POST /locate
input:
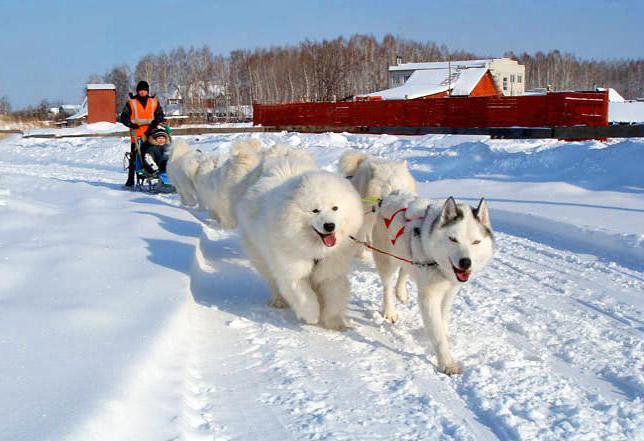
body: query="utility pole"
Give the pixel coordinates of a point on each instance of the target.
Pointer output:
(449, 76)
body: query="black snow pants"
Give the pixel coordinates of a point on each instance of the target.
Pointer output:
(131, 165)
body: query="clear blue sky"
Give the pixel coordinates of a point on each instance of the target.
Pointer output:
(49, 48)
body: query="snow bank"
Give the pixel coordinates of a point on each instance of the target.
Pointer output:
(83, 129)
(91, 277)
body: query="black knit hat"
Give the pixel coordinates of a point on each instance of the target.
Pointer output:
(157, 132)
(143, 85)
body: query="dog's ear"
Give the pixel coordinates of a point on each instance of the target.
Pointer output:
(450, 211)
(482, 214)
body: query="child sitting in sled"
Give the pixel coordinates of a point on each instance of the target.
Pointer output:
(153, 150)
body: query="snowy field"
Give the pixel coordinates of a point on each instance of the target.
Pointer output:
(126, 316)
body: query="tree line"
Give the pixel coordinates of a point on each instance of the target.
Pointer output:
(336, 69)
(5, 105)
(343, 67)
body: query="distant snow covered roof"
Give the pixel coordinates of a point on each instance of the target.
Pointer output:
(613, 95)
(432, 81)
(100, 86)
(467, 80)
(81, 113)
(420, 83)
(440, 65)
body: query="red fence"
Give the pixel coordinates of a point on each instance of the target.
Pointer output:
(559, 109)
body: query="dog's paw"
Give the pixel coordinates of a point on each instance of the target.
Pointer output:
(391, 316)
(337, 323)
(401, 295)
(277, 302)
(451, 368)
(309, 314)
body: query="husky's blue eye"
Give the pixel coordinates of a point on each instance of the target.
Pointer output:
(453, 239)
(476, 242)
(316, 211)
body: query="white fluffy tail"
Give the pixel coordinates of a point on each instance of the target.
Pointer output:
(207, 163)
(249, 146)
(350, 161)
(283, 161)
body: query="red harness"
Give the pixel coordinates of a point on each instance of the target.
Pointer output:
(401, 231)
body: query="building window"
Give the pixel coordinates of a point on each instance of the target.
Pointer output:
(512, 78)
(505, 83)
(519, 79)
(400, 79)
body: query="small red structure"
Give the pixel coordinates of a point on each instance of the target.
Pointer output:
(101, 103)
(557, 109)
(485, 87)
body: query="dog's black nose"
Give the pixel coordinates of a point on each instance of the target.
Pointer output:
(465, 263)
(329, 227)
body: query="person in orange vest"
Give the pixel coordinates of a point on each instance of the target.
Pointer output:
(142, 113)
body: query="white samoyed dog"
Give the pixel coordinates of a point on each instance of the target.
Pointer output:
(220, 186)
(183, 163)
(375, 178)
(201, 179)
(443, 245)
(295, 223)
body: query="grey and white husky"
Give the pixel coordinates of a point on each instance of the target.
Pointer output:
(444, 245)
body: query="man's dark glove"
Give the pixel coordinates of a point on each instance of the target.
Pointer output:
(134, 126)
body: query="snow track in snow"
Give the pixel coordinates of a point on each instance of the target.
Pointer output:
(547, 339)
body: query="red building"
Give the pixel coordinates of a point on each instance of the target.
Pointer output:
(101, 103)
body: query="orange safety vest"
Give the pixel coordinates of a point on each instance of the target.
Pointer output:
(142, 116)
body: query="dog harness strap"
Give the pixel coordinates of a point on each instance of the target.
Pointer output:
(378, 250)
(372, 200)
(371, 247)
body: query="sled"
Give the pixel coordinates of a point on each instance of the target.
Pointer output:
(147, 182)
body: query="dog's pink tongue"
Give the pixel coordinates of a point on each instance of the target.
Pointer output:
(329, 239)
(463, 276)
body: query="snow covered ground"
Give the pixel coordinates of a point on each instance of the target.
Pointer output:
(111, 129)
(126, 316)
